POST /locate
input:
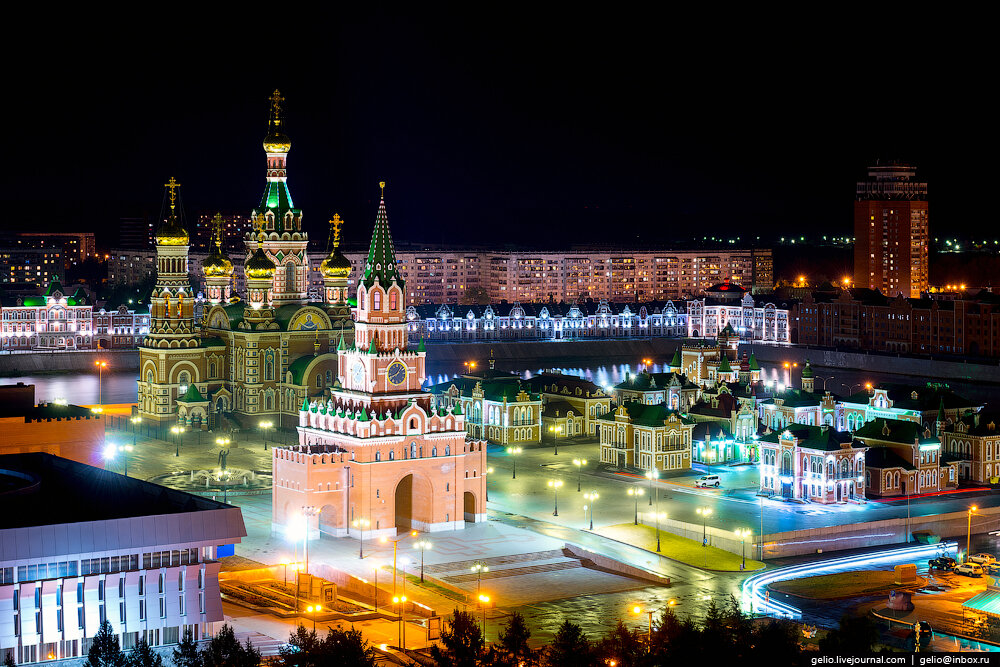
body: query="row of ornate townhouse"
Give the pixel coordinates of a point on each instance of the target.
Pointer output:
(727, 304)
(545, 321)
(57, 320)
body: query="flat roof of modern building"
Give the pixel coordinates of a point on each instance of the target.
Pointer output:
(38, 489)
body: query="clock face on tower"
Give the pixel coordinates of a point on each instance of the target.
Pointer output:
(396, 373)
(358, 374)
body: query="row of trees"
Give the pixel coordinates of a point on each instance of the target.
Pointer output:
(726, 634)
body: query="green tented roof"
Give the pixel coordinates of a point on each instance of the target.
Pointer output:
(381, 261)
(54, 286)
(192, 395)
(278, 199)
(646, 415)
(724, 366)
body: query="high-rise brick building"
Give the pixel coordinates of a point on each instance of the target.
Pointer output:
(890, 230)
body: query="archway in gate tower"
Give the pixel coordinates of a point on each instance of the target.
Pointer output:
(414, 501)
(470, 506)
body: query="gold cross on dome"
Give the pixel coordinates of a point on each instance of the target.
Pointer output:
(381, 185)
(335, 225)
(276, 100)
(172, 184)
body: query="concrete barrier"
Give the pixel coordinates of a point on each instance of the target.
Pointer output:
(875, 533)
(33, 363)
(616, 567)
(879, 363)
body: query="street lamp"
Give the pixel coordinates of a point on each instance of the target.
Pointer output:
(651, 475)
(486, 483)
(399, 601)
(484, 600)
(554, 484)
(636, 492)
(704, 512)
(968, 535)
(101, 365)
(637, 610)
(264, 425)
(314, 609)
(514, 451)
(395, 545)
(423, 545)
(307, 511)
(592, 497)
(112, 450)
(824, 379)
(135, 420)
(177, 431)
(659, 515)
(555, 431)
(479, 567)
(361, 524)
(743, 534)
(470, 366)
(579, 463)
(376, 567)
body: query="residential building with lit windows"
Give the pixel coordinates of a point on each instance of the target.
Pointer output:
(646, 437)
(145, 562)
(812, 463)
(890, 231)
(25, 265)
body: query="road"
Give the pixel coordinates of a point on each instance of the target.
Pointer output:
(734, 504)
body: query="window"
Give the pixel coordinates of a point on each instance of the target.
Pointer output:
(376, 300)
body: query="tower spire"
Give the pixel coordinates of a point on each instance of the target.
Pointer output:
(381, 262)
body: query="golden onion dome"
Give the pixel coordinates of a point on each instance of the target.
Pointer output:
(336, 265)
(259, 266)
(277, 142)
(217, 264)
(172, 233)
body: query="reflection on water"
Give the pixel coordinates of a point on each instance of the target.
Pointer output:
(120, 387)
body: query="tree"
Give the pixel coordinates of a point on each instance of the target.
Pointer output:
(857, 634)
(224, 650)
(475, 295)
(144, 656)
(569, 648)
(513, 644)
(8, 660)
(462, 641)
(623, 646)
(186, 652)
(105, 651)
(338, 647)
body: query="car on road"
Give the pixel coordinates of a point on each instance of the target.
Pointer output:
(982, 559)
(708, 480)
(969, 569)
(942, 563)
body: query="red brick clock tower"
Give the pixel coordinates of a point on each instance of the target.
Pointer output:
(376, 457)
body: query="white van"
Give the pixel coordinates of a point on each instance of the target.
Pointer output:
(707, 480)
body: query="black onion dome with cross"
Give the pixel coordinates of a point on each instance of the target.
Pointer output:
(276, 203)
(381, 262)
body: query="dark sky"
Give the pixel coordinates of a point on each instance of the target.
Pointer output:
(502, 124)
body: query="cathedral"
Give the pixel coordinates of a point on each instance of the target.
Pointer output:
(258, 356)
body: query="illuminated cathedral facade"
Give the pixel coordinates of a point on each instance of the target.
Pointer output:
(254, 357)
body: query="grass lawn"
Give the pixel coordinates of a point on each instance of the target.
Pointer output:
(679, 548)
(842, 584)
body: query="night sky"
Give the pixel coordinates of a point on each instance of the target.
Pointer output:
(502, 125)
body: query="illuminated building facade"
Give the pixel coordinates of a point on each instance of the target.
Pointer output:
(377, 454)
(646, 437)
(69, 559)
(256, 357)
(890, 231)
(905, 458)
(54, 321)
(544, 321)
(728, 304)
(815, 463)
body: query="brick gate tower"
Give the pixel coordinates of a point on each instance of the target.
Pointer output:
(376, 456)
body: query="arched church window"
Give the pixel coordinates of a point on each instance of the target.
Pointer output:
(329, 378)
(290, 277)
(392, 300)
(376, 300)
(319, 381)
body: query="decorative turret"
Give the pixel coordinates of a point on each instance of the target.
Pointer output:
(808, 378)
(259, 270)
(336, 269)
(282, 238)
(171, 303)
(675, 362)
(941, 419)
(381, 263)
(218, 269)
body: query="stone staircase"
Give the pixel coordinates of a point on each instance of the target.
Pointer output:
(267, 646)
(513, 565)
